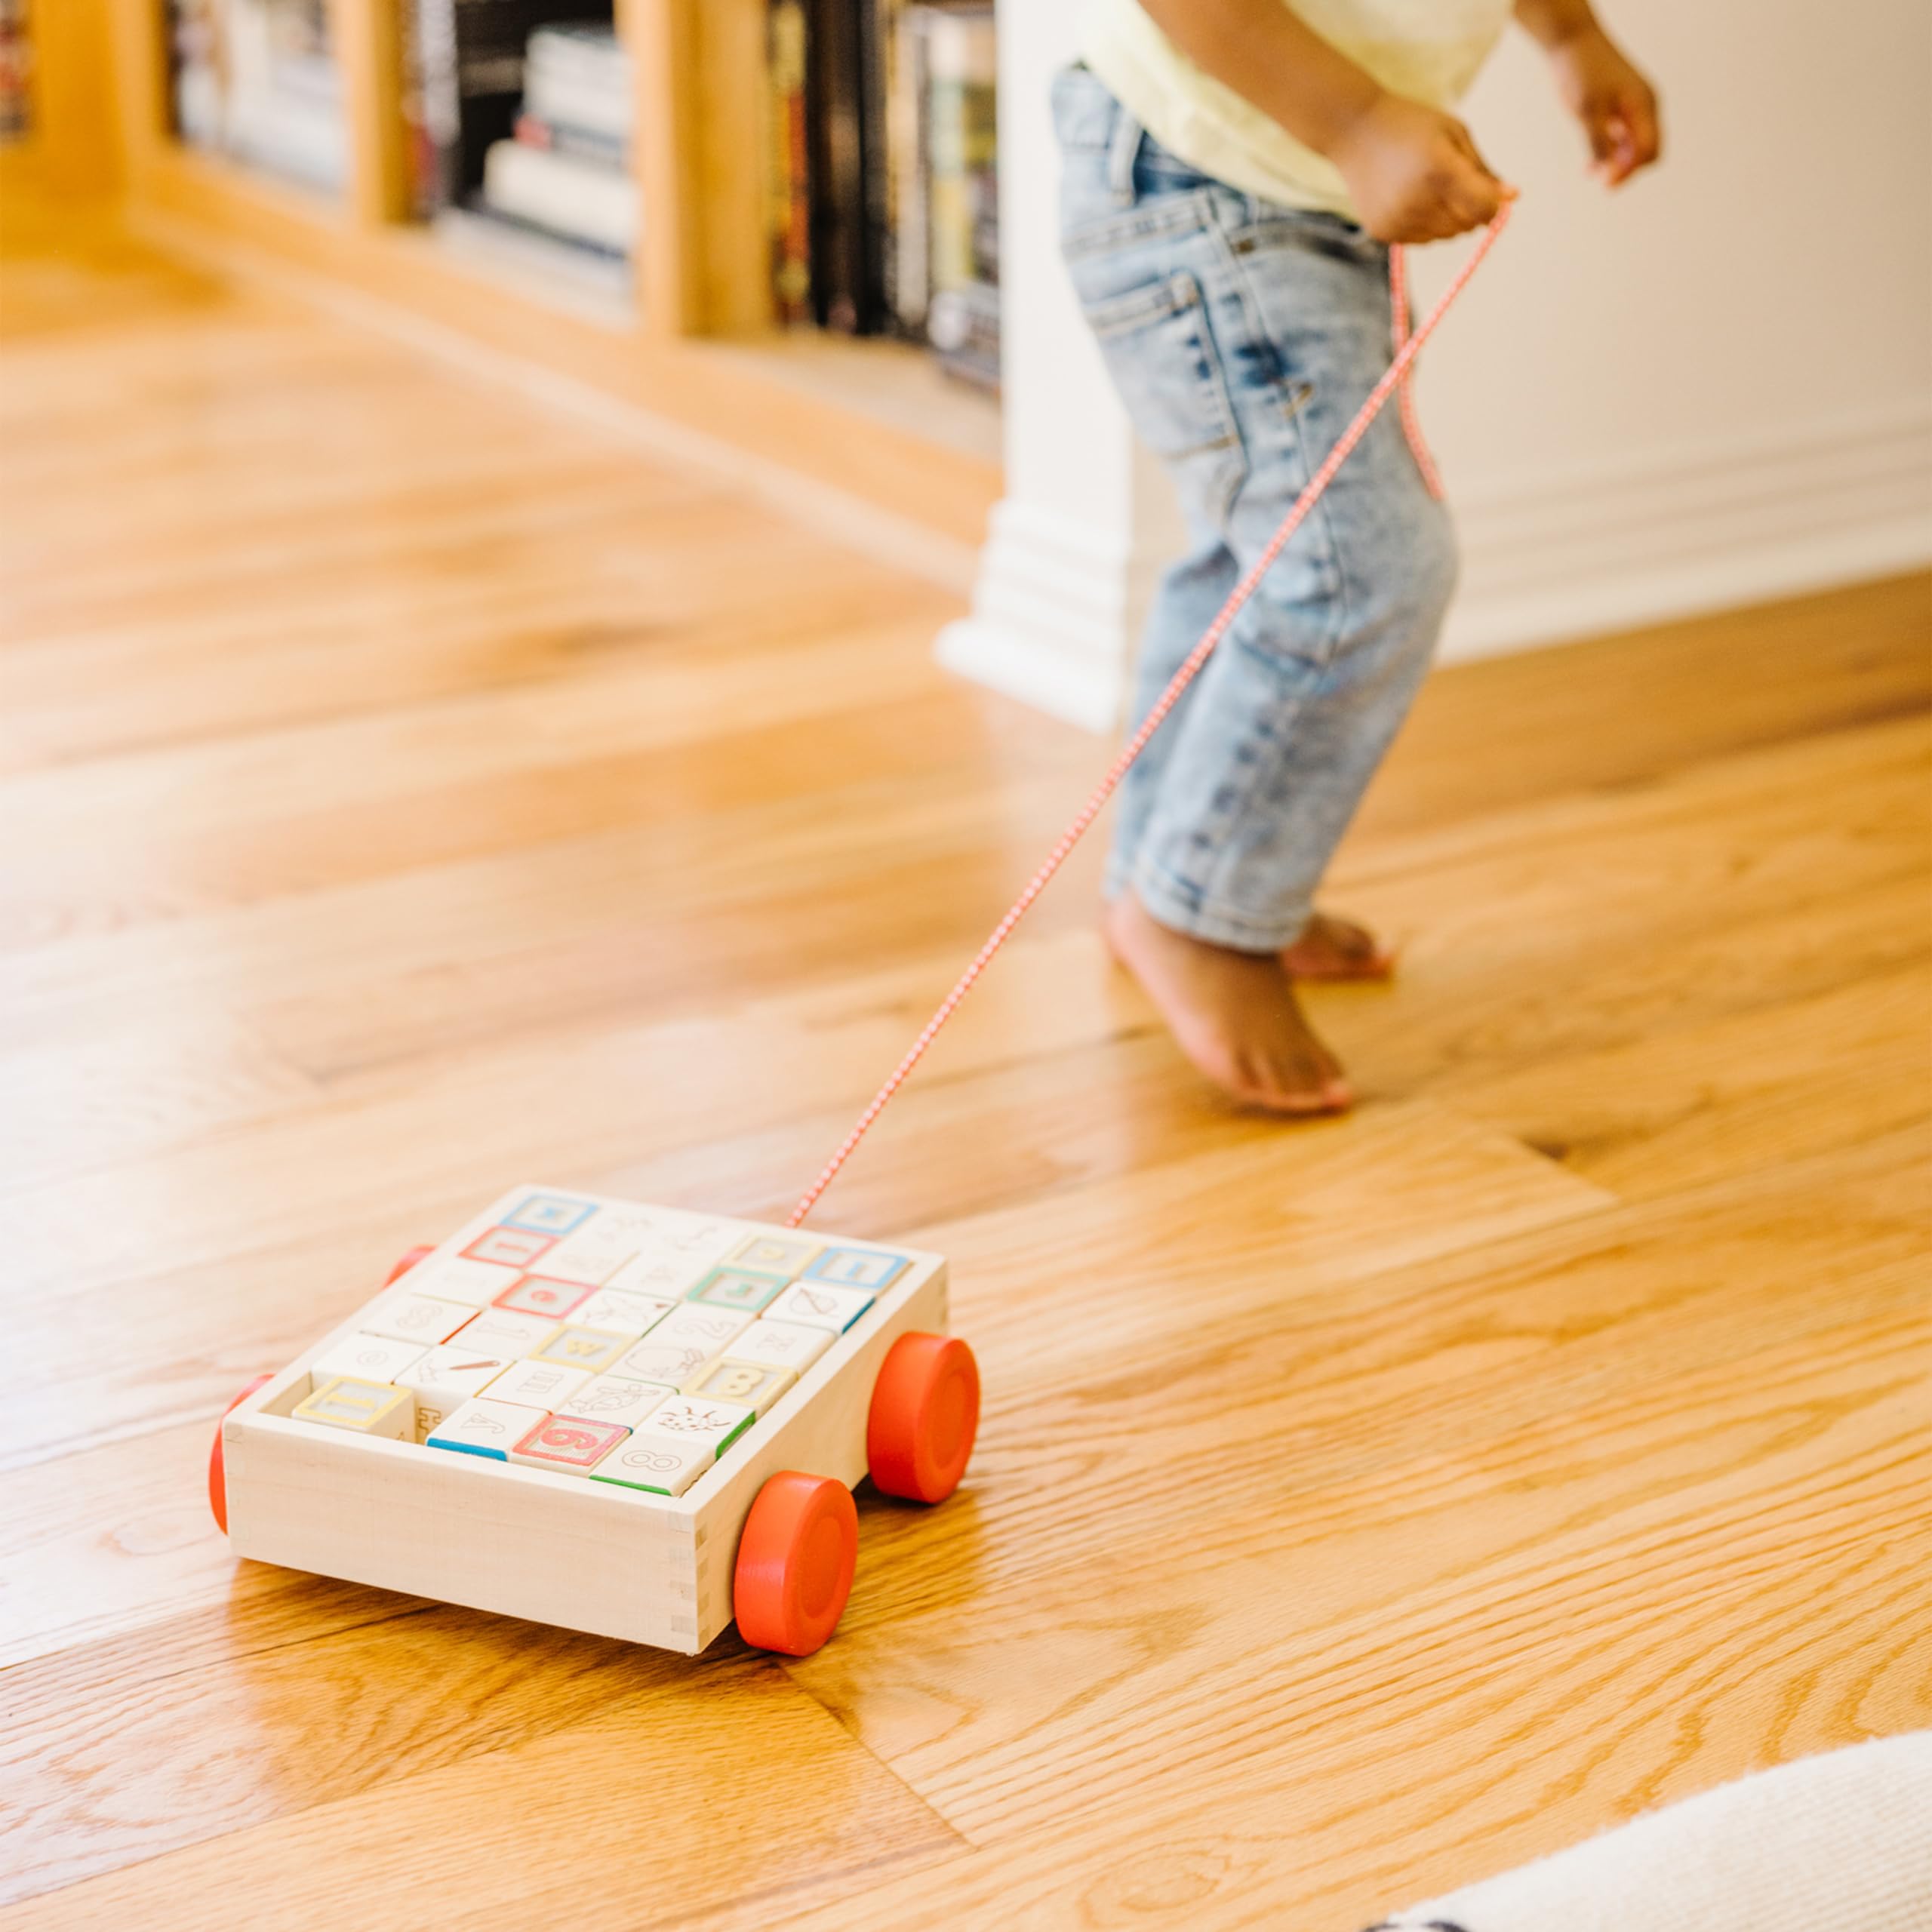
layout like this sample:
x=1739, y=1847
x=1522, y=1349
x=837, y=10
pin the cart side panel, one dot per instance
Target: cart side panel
x=554, y=1548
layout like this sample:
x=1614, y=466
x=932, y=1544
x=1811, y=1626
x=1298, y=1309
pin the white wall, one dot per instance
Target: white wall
x=1714, y=385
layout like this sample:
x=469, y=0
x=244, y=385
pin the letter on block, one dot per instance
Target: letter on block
x=568, y=1444
x=589, y=1349
x=482, y=1427
x=737, y=1287
x=368, y=1358
x=444, y=1379
x=615, y=1399
x=497, y=1331
x=819, y=1304
x=369, y=1408
x=871, y=1268
x=518, y=1247
x=780, y=1345
x=784, y=1254
x=664, y=1465
x=696, y=1326
x=617, y=1312
x=537, y=1294
x=410, y=1317
x=753, y=1383
x=538, y=1384
x=549, y=1214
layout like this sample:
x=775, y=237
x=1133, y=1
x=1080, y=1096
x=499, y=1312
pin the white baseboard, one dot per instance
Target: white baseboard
x=1546, y=560
x=1549, y=559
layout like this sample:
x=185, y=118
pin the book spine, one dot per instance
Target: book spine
x=789, y=190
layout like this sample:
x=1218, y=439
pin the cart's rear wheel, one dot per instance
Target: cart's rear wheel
x=795, y=1563
x=408, y=1262
x=925, y=1413
x=217, y=1475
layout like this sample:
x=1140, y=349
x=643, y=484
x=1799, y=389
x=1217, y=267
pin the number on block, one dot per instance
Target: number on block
x=664, y=1465
x=409, y=1317
x=753, y=1383
x=565, y=1442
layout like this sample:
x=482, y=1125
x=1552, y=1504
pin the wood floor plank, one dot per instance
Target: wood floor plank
x=420, y=791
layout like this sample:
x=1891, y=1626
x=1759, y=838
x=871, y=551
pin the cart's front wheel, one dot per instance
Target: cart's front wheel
x=925, y=1413
x=217, y=1475
x=408, y=1262
x=795, y=1563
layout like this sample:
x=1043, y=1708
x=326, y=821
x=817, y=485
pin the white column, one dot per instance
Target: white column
x=1087, y=519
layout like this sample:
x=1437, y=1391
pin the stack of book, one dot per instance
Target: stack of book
x=884, y=197
x=566, y=169
x=256, y=79
x=15, y=59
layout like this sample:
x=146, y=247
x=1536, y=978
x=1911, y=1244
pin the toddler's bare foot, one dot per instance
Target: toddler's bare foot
x=1332, y=948
x=1234, y=1014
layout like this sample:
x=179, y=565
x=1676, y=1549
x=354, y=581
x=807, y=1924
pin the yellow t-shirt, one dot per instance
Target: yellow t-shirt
x=1429, y=50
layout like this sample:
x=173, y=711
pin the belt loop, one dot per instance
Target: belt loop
x=1122, y=152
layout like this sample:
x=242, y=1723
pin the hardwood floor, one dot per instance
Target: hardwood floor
x=404, y=793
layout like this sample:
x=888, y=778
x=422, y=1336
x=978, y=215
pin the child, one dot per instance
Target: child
x=1234, y=171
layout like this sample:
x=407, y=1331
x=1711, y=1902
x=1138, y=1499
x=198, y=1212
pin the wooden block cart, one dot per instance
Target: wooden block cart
x=617, y=1418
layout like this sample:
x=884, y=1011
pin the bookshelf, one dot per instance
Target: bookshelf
x=694, y=344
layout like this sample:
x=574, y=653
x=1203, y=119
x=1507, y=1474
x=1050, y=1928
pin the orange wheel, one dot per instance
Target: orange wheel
x=408, y=1262
x=925, y=1412
x=217, y=1475
x=795, y=1563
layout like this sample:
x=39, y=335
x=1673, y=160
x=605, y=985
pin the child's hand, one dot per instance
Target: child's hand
x=1413, y=174
x=1617, y=106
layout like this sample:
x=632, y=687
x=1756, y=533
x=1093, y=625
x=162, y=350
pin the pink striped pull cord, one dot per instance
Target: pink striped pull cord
x=1395, y=379
x=1405, y=398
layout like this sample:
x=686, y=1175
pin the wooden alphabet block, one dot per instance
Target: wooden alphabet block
x=538, y=1384
x=782, y=1254
x=591, y=1349
x=567, y=1445
x=407, y=1316
x=779, y=1345
x=755, y=1385
x=537, y=1294
x=446, y=1378
x=670, y=1364
x=516, y=1247
x=546, y=1213
x=696, y=1419
x=819, y=1304
x=664, y=1273
x=693, y=1325
x=737, y=1287
x=450, y=1277
x=618, y=1312
x=615, y=1399
x=367, y=1358
x=661, y=1465
x=599, y=1247
x=484, y=1427
x=369, y=1408
x=501, y=1331
x=870, y=1267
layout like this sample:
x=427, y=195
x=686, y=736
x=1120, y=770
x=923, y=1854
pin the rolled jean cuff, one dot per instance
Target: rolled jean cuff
x=1183, y=910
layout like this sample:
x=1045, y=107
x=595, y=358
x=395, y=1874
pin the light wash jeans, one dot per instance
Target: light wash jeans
x=1242, y=337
